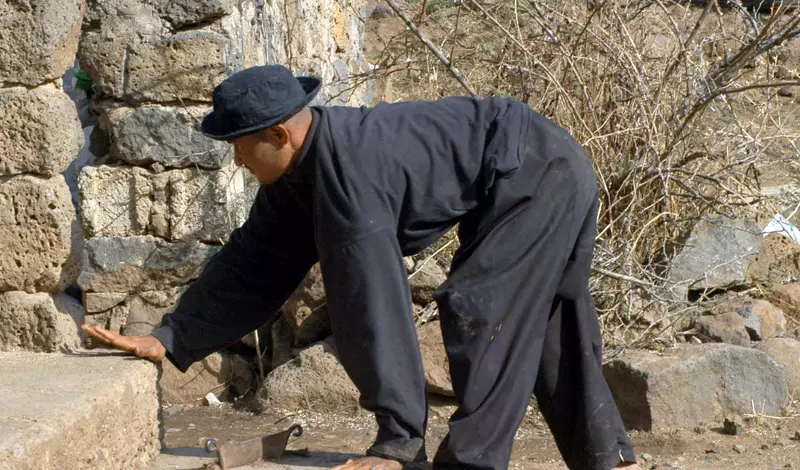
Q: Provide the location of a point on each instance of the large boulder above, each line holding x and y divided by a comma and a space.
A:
434, 359
313, 380
36, 216
39, 130
693, 385
40, 38
306, 312
717, 254
776, 263
39, 322
178, 205
135, 264
786, 352
167, 135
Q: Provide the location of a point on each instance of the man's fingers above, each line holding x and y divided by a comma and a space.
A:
114, 339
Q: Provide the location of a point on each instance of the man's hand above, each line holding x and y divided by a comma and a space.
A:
147, 347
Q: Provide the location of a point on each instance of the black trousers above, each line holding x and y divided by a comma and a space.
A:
517, 318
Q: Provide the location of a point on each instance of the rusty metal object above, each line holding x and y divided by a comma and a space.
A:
236, 454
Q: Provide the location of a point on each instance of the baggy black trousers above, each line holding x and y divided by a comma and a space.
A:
517, 319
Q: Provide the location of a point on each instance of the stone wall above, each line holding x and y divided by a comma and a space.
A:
40, 135
162, 197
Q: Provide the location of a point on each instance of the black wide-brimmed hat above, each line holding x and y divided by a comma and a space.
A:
257, 98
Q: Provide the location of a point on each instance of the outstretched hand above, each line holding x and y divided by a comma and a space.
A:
147, 347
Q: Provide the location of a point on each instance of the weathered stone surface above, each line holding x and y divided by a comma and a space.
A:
786, 352
131, 55
313, 380
776, 262
40, 38
213, 374
691, 385
167, 135
281, 342
305, 310
728, 327
146, 309
98, 302
177, 205
434, 359
77, 412
34, 322
135, 264
36, 217
39, 130
763, 320
716, 254
425, 281
787, 297
188, 12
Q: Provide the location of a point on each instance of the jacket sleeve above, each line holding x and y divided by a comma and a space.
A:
244, 284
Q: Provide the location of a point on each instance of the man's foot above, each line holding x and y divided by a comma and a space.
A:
370, 463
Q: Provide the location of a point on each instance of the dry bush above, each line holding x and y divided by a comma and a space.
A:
676, 104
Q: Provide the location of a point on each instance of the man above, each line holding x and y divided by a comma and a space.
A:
357, 189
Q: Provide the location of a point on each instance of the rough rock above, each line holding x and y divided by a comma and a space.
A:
434, 359
425, 281
38, 322
786, 352
693, 384
77, 412
40, 38
787, 297
728, 327
717, 254
189, 12
132, 56
98, 302
776, 262
143, 311
763, 320
135, 264
212, 374
305, 310
281, 338
167, 135
313, 380
36, 217
178, 205
39, 130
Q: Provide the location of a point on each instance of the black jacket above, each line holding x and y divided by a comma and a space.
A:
371, 185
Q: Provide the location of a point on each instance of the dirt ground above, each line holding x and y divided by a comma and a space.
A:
770, 444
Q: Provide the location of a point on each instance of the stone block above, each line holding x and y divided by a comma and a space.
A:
132, 56
166, 135
178, 205
305, 311
313, 380
36, 217
786, 352
135, 264
694, 385
77, 412
40, 38
146, 309
39, 130
38, 322
189, 12
434, 359
717, 254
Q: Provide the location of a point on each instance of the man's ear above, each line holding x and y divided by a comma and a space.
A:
278, 135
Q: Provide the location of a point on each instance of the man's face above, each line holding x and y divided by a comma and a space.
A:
263, 154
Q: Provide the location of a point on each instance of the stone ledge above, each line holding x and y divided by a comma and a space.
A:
78, 412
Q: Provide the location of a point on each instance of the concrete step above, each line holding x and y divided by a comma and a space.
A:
85, 410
